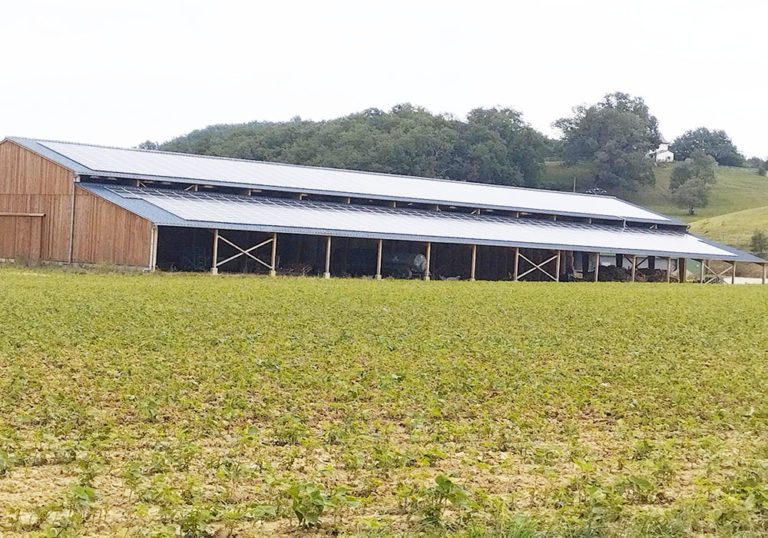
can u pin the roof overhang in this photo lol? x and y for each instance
(231, 212)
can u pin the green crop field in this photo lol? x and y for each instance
(148, 405)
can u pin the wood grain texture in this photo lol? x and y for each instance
(21, 237)
(105, 232)
(30, 183)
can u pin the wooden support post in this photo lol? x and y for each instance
(75, 180)
(153, 250)
(703, 268)
(327, 273)
(765, 272)
(378, 259)
(517, 263)
(273, 259)
(215, 257)
(634, 266)
(733, 272)
(597, 266)
(429, 257)
(474, 263)
(682, 272)
(557, 265)
(669, 270)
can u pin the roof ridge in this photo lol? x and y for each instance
(329, 168)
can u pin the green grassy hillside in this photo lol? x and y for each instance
(736, 189)
(148, 405)
(733, 228)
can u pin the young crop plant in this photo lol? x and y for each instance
(310, 500)
(170, 404)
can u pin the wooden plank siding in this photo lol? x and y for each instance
(21, 236)
(105, 232)
(30, 183)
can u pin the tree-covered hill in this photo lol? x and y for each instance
(490, 146)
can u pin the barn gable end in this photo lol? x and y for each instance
(37, 197)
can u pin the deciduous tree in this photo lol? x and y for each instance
(491, 146)
(698, 165)
(691, 194)
(615, 135)
(716, 143)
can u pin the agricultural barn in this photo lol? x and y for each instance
(77, 203)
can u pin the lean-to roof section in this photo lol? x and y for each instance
(203, 210)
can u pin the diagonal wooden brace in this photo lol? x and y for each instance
(710, 275)
(539, 266)
(245, 252)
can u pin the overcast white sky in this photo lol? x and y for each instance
(122, 72)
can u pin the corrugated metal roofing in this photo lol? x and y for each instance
(189, 209)
(116, 162)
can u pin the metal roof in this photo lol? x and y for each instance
(223, 211)
(102, 161)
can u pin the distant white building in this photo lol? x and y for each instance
(662, 153)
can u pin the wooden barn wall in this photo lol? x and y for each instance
(21, 237)
(105, 232)
(30, 183)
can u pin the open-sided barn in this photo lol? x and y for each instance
(78, 203)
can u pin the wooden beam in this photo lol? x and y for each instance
(538, 266)
(244, 252)
(597, 266)
(715, 276)
(2, 214)
(703, 267)
(429, 258)
(733, 274)
(557, 264)
(215, 257)
(474, 263)
(153, 248)
(669, 270)
(72, 222)
(765, 272)
(327, 273)
(517, 263)
(682, 272)
(378, 259)
(634, 266)
(273, 257)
